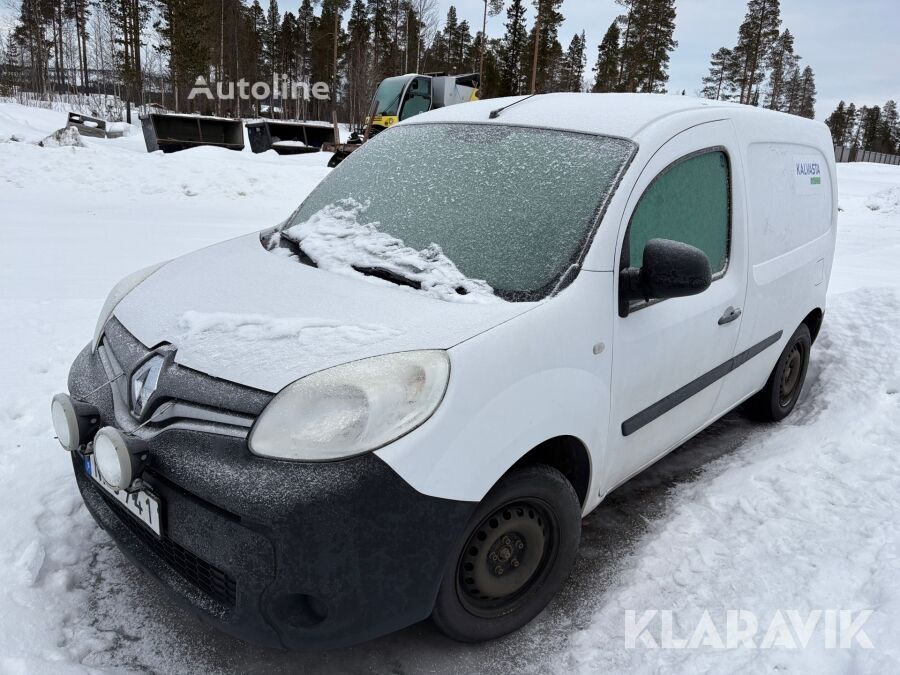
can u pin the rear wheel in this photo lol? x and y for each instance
(515, 556)
(778, 398)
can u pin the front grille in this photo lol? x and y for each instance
(206, 577)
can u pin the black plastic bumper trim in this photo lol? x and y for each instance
(693, 388)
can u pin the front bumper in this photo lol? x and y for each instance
(284, 554)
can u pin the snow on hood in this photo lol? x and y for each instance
(337, 240)
(237, 312)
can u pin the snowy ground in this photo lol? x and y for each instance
(804, 516)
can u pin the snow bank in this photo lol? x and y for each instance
(886, 201)
(338, 240)
(67, 137)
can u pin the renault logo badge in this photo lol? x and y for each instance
(144, 381)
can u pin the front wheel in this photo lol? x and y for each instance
(778, 398)
(517, 552)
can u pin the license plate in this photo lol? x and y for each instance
(141, 504)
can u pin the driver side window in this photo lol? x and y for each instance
(690, 202)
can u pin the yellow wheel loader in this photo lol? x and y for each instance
(399, 98)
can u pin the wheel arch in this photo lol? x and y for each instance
(569, 456)
(813, 321)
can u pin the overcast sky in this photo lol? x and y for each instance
(852, 45)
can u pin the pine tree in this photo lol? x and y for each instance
(543, 45)
(189, 57)
(656, 23)
(412, 31)
(629, 53)
(326, 52)
(451, 30)
(792, 92)
(869, 123)
(837, 123)
(718, 84)
(257, 17)
(781, 61)
(381, 40)
(886, 136)
(460, 52)
(358, 62)
(271, 37)
(850, 130)
(574, 62)
(807, 105)
(288, 62)
(512, 50)
(490, 73)
(306, 23)
(606, 70)
(648, 28)
(756, 36)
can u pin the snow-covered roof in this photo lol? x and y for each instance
(622, 115)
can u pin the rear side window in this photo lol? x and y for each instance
(689, 202)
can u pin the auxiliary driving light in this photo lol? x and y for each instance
(73, 421)
(118, 461)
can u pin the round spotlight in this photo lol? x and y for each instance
(116, 464)
(65, 422)
(74, 421)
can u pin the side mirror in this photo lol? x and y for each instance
(670, 269)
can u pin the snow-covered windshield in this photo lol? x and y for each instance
(511, 206)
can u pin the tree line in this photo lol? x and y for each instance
(152, 51)
(762, 68)
(875, 128)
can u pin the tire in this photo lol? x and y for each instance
(777, 399)
(519, 547)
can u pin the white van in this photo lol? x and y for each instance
(401, 402)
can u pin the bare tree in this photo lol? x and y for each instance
(429, 19)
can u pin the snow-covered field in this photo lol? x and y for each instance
(800, 516)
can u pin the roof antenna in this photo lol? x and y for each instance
(496, 113)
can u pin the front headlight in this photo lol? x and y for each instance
(116, 295)
(352, 409)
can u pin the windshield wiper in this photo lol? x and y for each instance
(397, 278)
(388, 275)
(284, 241)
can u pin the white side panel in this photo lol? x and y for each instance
(524, 382)
(792, 214)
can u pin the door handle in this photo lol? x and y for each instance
(731, 314)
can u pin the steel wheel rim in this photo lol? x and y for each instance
(508, 554)
(790, 375)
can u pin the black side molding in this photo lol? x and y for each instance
(679, 396)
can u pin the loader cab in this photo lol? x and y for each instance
(399, 98)
(417, 98)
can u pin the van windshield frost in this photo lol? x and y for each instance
(509, 206)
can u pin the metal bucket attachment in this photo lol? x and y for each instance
(288, 138)
(87, 126)
(171, 133)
